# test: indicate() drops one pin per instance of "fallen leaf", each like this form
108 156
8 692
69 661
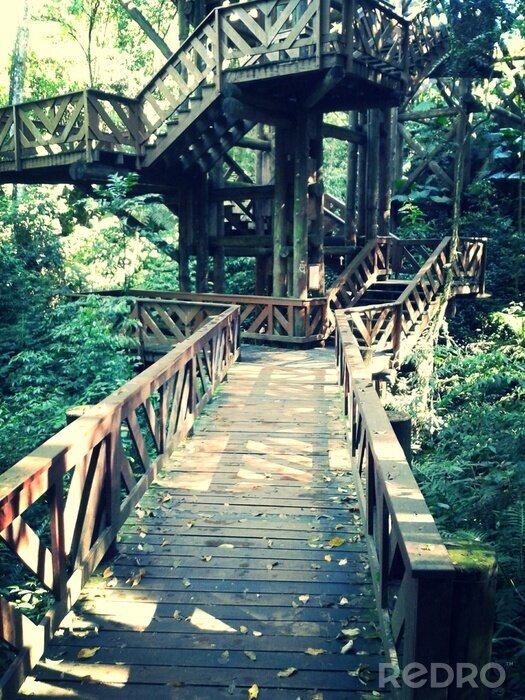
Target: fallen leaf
351 632
287 672
269 543
186 582
251 655
232 688
176 563
112 582
135 577
87 653
189 523
339 526
177 615
347 647
327 557
304 599
148 548
256 633
343 601
243 629
164 543
165 498
343 562
362 673
271 565
253 692
225 657
314 652
226 545
206 557
108 572
295 604
336 542
315 566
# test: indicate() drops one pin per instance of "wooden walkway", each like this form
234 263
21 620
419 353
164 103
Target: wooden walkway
243 565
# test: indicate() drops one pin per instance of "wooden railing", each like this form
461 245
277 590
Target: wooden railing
270 319
396 326
164 323
80 122
78 488
230 44
365 269
412 570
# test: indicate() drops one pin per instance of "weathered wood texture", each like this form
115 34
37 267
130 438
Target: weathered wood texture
250 551
414 574
88 477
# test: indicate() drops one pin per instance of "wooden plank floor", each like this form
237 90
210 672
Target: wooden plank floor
246 555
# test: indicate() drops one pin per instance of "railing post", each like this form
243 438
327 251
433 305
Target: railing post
16 138
349 16
218 49
87 113
427 631
396 331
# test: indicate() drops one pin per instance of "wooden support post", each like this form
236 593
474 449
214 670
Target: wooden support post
402 425
280 206
200 229
372 174
350 233
386 174
184 241
216 231
473 611
361 180
300 214
316 279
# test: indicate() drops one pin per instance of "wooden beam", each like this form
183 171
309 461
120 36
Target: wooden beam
343 133
255 144
235 109
329 81
241 191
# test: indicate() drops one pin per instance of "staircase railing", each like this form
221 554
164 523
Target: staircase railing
396 326
78 488
233 43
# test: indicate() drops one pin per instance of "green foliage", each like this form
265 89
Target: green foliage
79 354
471 464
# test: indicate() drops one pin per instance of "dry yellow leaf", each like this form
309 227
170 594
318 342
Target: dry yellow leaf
315 652
108 572
251 655
186 582
243 629
327 557
304 599
336 541
253 692
206 557
256 633
87 653
287 672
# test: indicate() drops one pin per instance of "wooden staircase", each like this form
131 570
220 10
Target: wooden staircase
247 63
391 291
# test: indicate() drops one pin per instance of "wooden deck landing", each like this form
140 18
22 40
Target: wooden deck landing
230 550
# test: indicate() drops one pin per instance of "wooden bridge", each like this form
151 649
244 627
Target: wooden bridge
245 563
244 571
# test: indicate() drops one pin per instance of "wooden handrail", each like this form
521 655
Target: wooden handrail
93 457
411 569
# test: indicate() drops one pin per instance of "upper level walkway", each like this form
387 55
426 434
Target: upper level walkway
243 564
